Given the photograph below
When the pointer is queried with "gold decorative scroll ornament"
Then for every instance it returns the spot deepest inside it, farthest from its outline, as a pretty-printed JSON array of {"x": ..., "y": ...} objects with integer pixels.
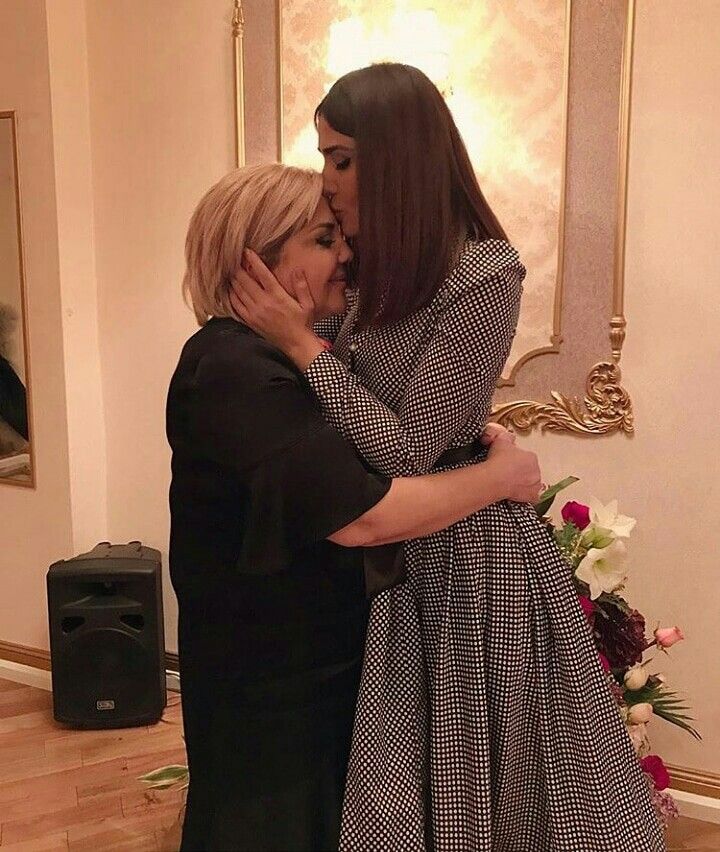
[{"x": 606, "y": 408}]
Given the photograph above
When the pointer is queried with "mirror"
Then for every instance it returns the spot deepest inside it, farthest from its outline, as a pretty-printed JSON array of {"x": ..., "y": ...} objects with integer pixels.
[{"x": 16, "y": 467}]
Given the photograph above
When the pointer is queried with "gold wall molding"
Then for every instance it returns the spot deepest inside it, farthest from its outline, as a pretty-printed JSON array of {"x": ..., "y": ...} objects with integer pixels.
[
  {"x": 238, "y": 37},
  {"x": 606, "y": 408},
  {"x": 556, "y": 338},
  {"x": 695, "y": 781}
]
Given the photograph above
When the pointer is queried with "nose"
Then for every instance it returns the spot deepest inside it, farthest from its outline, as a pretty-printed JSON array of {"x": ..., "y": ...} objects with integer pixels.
[{"x": 329, "y": 183}]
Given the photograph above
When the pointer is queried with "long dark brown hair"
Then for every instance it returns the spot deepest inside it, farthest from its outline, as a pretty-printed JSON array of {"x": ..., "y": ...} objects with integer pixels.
[{"x": 416, "y": 187}]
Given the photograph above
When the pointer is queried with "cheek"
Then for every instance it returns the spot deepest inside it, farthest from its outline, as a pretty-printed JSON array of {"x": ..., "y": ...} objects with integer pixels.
[{"x": 318, "y": 274}]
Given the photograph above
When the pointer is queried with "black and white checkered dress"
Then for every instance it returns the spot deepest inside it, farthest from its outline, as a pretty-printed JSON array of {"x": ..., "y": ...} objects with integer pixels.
[{"x": 482, "y": 692}]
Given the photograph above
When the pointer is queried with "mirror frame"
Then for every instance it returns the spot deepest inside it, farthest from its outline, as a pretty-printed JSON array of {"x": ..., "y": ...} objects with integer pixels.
[{"x": 24, "y": 328}]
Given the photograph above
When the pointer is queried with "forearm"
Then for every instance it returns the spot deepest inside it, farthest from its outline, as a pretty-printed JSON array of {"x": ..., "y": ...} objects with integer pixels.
[{"x": 418, "y": 506}]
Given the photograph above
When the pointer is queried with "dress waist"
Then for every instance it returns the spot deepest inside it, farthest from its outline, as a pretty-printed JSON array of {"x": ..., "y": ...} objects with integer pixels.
[
  {"x": 385, "y": 564},
  {"x": 457, "y": 455}
]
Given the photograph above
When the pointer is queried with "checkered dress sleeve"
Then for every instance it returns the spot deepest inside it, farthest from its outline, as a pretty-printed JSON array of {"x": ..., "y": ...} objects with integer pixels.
[{"x": 457, "y": 373}]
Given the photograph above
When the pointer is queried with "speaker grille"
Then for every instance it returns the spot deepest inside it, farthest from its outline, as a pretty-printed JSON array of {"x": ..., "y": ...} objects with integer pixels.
[{"x": 117, "y": 679}]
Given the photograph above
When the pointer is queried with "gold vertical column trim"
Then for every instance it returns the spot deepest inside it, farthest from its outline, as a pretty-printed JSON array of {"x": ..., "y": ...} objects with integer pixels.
[
  {"x": 280, "y": 97},
  {"x": 238, "y": 34},
  {"x": 618, "y": 322},
  {"x": 556, "y": 338}
]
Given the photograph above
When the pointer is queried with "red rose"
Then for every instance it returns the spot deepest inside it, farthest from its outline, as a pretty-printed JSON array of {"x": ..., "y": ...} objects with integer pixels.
[
  {"x": 576, "y": 513},
  {"x": 604, "y": 662},
  {"x": 655, "y": 768}
]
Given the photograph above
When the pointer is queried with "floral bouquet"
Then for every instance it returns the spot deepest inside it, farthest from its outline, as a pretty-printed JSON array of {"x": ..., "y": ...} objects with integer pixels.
[{"x": 592, "y": 540}]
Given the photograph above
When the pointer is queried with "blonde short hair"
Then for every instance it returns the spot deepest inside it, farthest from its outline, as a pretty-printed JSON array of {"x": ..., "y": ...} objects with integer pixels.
[{"x": 258, "y": 207}]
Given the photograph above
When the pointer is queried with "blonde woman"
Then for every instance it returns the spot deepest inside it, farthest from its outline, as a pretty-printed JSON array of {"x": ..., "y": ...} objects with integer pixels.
[{"x": 270, "y": 510}]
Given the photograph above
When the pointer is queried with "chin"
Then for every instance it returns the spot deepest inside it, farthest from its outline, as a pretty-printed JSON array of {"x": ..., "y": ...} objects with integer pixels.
[{"x": 335, "y": 306}]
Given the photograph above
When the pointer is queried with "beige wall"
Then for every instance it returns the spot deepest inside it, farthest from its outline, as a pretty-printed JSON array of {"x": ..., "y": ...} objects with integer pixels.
[
  {"x": 162, "y": 132},
  {"x": 668, "y": 474},
  {"x": 152, "y": 101},
  {"x": 67, "y": 50},
  {"x": 35, "y": 525}
]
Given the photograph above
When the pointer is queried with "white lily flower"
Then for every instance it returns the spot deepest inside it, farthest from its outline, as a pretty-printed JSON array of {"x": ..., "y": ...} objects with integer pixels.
[
  {"x": 603, "y": 569},
  {"x": 608, "y": 518}
]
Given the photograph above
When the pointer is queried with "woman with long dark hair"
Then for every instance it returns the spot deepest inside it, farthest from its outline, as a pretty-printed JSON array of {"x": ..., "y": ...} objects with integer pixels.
[{"x": 485, "y": 720}]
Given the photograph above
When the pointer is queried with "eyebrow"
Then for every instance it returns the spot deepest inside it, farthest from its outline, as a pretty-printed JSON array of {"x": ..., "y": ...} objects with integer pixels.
[
  {"x": 331, "y": 149},
  {"x": 325, "y": 226}
]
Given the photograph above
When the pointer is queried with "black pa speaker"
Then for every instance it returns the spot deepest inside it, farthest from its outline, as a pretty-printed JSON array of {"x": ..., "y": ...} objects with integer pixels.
[{"x": 107, "y": 642}]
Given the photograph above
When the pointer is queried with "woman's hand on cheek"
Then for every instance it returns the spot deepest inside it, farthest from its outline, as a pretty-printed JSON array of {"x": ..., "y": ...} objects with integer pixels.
[{"x": 260, "y": 301}]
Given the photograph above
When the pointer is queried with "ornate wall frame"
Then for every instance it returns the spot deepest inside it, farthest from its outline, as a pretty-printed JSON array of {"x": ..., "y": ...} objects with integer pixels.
[
  {"x": 573, "y": 384},
  {"x": 22, "y": 479}
]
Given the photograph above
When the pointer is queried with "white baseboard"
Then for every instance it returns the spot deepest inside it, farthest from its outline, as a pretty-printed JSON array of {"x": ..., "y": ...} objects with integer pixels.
[
  {"x": 697, "y": 807},
  {"x": 42, "y": 679}
]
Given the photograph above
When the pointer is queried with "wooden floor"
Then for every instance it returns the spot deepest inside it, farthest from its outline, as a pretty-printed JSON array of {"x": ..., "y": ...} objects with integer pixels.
[
  {"x": 78, "y": 790},
  {"x": 687, "y": 834}
]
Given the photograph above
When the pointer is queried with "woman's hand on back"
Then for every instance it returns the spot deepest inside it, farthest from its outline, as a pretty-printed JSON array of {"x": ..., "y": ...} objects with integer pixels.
[
  {"x": 495, "y": 432},
  {"x": 517, "y": 472},
  {"x": 282, "y": 318}
]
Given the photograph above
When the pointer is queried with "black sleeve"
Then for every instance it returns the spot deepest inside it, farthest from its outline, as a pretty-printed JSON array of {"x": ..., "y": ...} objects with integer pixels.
[{"x": 302, "y": 481}]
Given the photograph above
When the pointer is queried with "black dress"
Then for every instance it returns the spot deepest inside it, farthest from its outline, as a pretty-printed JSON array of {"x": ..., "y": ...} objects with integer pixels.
[{"x": 272, "y": 617}]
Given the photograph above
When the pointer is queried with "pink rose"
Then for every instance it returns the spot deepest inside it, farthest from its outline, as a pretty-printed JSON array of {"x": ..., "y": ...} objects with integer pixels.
[
  {"x": 588, "y": 607},
  {"x": 576, "y": 513},
  {"x": 668, "y": 636},
  {"x": 655, "y": 768},
  {"x": 604, "y": 662}
]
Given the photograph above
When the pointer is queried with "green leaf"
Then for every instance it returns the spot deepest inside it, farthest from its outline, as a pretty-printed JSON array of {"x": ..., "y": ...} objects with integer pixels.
[
  {"x": 547, "y": 498},
  {"x": 166, "y": 776},
  {"x": 612, "y": 599},
  {"x": 678, "y": 721},
  {"x": 567, "y": 538},
  {"x": 666, "y": 704}
]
